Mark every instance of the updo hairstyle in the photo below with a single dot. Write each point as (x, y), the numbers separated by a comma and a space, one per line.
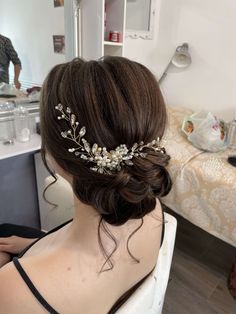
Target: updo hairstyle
(119, 102)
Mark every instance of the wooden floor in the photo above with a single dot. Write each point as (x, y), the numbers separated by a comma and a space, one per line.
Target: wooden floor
(198, 278)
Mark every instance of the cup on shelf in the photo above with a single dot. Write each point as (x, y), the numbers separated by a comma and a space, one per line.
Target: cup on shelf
(114, 36)
(21, 123)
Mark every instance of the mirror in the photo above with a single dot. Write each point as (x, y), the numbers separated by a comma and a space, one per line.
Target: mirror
(36, 30)
(140, 18)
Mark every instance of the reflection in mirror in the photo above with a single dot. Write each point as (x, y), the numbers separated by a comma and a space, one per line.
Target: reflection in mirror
(139, 21)
(31, 25)
(140, 18)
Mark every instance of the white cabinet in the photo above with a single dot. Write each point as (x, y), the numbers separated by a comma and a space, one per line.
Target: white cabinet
(114, 20)
(97, 19)
(89, 22)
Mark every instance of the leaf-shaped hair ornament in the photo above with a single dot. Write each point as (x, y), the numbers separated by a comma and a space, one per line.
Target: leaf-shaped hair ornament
(99, 159)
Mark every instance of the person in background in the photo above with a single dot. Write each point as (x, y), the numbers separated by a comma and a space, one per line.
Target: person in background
(7, 54)
(14, 239)
(101, 125)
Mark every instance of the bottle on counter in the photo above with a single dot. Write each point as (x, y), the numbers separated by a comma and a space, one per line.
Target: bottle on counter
(7, 132)
(231, 138)
(21, 123)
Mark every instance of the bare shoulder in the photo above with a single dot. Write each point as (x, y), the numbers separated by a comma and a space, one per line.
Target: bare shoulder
(7, 276)
(10, 292)
(14, 294)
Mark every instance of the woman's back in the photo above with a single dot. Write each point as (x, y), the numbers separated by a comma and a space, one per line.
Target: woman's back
(69, 277)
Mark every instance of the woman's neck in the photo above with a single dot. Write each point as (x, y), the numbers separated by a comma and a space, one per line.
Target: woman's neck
(83, 230)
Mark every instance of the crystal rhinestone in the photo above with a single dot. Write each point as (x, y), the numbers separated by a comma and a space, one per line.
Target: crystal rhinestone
(87, 147)
(128, 162)
(60, 107)
(63, 134)
(94, 148)
(72, 119)
(143, 155)
(82, 131)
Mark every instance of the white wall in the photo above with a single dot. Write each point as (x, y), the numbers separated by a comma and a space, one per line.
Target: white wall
(30, 25)
(209, 27)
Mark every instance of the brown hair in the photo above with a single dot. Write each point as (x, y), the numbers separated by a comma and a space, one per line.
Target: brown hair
(119, 102)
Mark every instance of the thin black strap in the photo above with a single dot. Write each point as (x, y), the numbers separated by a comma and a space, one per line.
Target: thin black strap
(163, 227)
(32, 288)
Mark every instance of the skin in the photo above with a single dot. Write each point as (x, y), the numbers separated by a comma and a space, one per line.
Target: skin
(4, 258)
(17, 70)
(13, 244)
(68, 262)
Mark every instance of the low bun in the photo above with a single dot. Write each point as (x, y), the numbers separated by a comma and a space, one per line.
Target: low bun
(131, 193)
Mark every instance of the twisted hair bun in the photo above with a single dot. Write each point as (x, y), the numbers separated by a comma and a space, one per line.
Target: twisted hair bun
(131, 193)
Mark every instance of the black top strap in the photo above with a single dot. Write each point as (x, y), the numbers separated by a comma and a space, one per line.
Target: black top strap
(32, 288)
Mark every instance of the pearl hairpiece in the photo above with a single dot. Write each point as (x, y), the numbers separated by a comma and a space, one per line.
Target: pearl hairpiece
(104, 161)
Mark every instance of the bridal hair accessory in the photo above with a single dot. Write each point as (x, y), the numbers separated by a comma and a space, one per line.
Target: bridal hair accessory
(104, 161)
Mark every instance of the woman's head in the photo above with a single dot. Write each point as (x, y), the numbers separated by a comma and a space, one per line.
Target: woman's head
(119, 102)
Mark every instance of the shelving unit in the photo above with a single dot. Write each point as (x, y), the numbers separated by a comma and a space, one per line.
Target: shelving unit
(114, 20)
(110, 43)
(94, 19)
(94, 32)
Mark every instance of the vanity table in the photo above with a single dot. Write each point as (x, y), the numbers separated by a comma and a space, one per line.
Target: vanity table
(16, 149)
(18, 189)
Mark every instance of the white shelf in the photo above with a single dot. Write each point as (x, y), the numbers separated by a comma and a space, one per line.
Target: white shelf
(115, 21)
(112, 43)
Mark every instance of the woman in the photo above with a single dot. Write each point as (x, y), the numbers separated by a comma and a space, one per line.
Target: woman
(101, 124)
